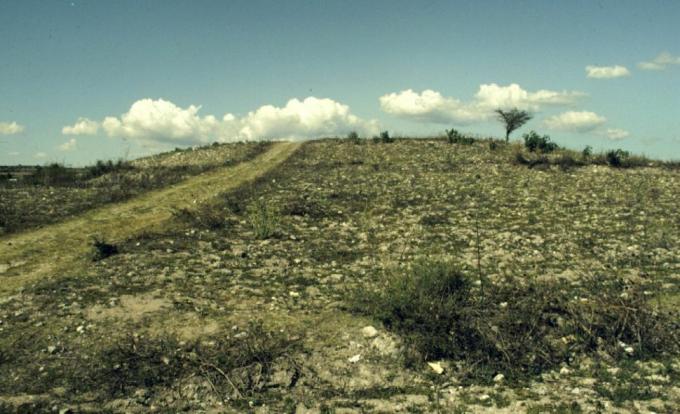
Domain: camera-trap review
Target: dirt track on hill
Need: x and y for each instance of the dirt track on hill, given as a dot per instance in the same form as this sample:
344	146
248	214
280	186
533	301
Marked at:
64	247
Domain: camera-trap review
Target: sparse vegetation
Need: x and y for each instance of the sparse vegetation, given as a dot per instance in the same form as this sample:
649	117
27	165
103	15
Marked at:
578	272
519	328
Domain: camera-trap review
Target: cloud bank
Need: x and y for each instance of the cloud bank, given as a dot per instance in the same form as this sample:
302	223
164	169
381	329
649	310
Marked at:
83	126
606	72
660	62
162	121
432	106
10	128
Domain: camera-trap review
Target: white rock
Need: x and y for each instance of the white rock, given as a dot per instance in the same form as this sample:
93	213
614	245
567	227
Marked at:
499	378
293	294
369	331
356	358
436	367
565	371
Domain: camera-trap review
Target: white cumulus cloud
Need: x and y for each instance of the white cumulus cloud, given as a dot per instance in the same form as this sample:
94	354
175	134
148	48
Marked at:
432	106
495	96
10	128
575	121
429	106
83	126
310	118
40	155
606	72
68	145
162	121
660	62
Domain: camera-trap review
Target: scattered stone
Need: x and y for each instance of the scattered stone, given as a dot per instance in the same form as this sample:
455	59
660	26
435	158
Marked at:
354	359
436	367
499	378
369	331
51	349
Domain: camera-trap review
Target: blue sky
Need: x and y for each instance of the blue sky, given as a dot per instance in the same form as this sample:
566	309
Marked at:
134	77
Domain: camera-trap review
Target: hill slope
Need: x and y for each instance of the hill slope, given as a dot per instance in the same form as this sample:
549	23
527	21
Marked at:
202	317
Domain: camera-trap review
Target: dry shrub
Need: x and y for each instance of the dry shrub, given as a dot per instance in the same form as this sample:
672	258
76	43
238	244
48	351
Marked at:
516	327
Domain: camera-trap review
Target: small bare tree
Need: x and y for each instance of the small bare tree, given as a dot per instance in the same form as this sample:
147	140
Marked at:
513	119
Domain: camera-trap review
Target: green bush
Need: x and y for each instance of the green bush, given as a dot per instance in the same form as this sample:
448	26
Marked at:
517	327
534	142
263	218
616	158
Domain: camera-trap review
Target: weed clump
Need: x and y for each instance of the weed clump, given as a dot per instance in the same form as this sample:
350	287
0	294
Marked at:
234	367
516	327
210	217
263	218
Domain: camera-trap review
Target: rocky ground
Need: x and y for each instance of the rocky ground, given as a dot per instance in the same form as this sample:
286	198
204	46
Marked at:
209	316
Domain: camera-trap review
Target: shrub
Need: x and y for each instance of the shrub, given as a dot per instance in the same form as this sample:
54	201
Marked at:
104	167
534	142
587	152
53	175
236	367
353	137
455	137
615	158
263	218
385	137
517	327
566	162
530	162
102	249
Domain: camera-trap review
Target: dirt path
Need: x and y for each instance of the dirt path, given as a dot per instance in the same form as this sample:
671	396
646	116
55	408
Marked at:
64	247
